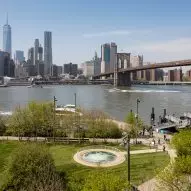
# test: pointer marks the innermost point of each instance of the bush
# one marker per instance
(31, 168)
(105, 181)
(182, 143)
(103, 129)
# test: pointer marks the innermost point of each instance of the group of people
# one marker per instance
(153, 143)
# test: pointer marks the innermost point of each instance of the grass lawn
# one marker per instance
(143, 166)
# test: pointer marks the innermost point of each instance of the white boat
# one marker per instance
(68, 107)
(35, 86)
(6, 113)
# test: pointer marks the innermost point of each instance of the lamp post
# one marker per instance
(55, 100)
(126, 141)
(137, 120)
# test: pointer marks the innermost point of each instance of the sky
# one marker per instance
(160, 30)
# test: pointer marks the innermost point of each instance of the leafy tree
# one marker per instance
(32, 168)
(2, 125)
(182, 142)
(135, 124)
(176, 177)
(171, 180)
(105, 182)
(36, 119)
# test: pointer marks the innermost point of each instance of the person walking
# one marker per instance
(158, 141)
(164, 148)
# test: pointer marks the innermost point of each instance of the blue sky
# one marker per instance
(158, 29)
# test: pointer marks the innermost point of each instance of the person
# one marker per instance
(164, 148)
(158, 141)
(164, 137)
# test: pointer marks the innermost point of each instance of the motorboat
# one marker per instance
(6, 113)
(68, 107)
(35, 86)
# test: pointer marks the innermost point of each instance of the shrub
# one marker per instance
(182, 142)
(31, 168)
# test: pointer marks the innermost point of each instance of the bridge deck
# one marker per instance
(150, 66)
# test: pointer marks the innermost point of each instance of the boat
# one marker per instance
(6, 113)
(35, 86)
(69, 108)
(3, 86)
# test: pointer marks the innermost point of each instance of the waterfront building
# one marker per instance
(89, 68)
(20, 71)
(108, 57)
(48, 52)
(4, 63)
(71, 69)
(97, 64)
(59, 70)
(156, 75)
(113, 54)
(171, 75)
(188, 74)
(54, 71)
(178, 75)
(40, 53)
(146, 75)
(136, 61)
(31, 55)
(175, 75)
(105, 58)
(19, 56)
(7, 45)
(36, 47)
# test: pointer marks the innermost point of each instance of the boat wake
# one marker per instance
(142, 91)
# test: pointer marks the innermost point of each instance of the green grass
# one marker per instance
(143, 166)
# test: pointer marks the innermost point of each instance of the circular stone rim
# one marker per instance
(120, 158)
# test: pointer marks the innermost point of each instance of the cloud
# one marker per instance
(109, 33)
(180, 45)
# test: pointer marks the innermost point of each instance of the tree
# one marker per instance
(31, 167)
(182, 143)
(176, 177)
(103, 181)
(2, 125)
(171, 180)
(135, 125)
(36, 119)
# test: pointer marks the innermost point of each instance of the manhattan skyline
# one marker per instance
(161, 31)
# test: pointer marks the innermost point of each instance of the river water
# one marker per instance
(176, 99)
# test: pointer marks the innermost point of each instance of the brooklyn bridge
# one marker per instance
(122, 70)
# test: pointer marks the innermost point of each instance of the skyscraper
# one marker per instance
(36, 46)
(97, 64)
(19, 56)
(113, 55)
(48, 52)
(108, 57)
(105, 58)
(7, 38)
(31, 55)
(40, 53)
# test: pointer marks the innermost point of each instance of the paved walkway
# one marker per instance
(150, 185)
(143, 151)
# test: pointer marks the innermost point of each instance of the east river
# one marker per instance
(176, 99)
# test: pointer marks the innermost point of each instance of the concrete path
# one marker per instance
(150, 185)
(142, 151)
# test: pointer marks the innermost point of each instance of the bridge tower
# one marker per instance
(115, 82)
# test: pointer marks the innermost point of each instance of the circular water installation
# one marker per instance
(99, 157)
(103, 157)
